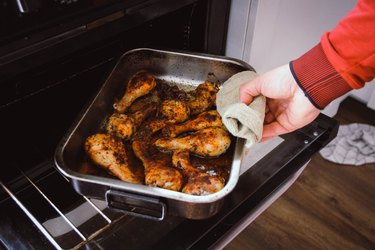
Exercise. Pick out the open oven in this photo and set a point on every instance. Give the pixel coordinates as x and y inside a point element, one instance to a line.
<point>54,56</point>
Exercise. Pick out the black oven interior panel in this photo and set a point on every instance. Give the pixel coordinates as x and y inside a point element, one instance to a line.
<point>32,20</point>
<point>164,24</point>
<point>38,120</point>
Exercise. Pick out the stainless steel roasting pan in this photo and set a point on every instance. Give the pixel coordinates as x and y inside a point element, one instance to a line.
<point>186,70</point>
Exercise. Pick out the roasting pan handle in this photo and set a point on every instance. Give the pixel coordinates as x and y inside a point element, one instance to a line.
<point>136,204</point>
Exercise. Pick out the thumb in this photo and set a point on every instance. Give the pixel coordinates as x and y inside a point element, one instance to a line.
<point>249,90</point>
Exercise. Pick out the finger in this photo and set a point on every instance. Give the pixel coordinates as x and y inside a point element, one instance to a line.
<point>273,129</point>
<point>267,138</point>
<point>249,90</point>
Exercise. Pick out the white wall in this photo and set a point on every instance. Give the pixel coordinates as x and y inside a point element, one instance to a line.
<point>270,33</point>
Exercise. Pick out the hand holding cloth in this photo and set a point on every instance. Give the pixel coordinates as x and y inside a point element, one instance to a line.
<point>241,120</point>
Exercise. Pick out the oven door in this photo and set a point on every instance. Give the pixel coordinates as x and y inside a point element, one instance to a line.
<point>49,71</point>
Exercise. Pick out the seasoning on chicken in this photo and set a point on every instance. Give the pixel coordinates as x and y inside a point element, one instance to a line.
<point>123,125</point>
<point>108,152</point>
<point>198,182</point>
<point>170,112</point>
<point>140,84</point>
<point>174,111</point>
<point>203,97</point>
<point>143,102</point>
<point>157,173</point>
<point>204,120</point>
<point>205,142</point>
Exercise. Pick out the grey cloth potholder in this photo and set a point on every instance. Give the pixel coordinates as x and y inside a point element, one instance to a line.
<point>354,145</point>
<point>241,120</point>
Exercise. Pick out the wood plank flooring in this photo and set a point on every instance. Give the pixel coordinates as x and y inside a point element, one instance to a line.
<point>330,206</point>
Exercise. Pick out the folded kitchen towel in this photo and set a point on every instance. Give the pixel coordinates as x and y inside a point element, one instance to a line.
<point>241,120</point>
<point>354,145</point>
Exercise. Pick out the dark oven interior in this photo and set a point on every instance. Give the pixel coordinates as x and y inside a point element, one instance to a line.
<point>44,84</point>
<point>54,55</point>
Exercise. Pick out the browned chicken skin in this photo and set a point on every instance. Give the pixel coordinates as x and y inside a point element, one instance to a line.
<point>198,182</point>
<point>123,125</point>
<point>143,102</point>
<point>170,112</point>
<point>174,111</point>
<point>203,97</point>
<point>140,84</point>
<point>204,120</point>
<point>149,128</point>
<point>109,153</point>
<point>205,142</point>
<point>157,173</point>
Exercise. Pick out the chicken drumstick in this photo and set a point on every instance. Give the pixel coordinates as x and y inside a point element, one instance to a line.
<point>109,153</point>
<point>157,174</point>
<point>140,84</point>
<point>198,183</point>
<point>204,120</point>
<point>205,142</point>
<point>203,97</point>
<point>123,126</point>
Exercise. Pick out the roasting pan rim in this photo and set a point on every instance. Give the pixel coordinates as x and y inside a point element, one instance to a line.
<point>61,165</point>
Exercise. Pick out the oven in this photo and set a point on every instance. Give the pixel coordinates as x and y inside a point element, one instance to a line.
<point>54,56</point>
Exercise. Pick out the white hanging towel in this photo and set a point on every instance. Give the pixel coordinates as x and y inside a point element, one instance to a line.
<point>354,145</point>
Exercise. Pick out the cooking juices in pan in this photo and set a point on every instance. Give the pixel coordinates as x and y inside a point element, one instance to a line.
<point>162,136</point>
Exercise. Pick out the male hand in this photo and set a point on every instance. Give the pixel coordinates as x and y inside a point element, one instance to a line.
<point>287,107</point>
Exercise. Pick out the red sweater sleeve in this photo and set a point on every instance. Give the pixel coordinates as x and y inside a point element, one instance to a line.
<point>343,60</point>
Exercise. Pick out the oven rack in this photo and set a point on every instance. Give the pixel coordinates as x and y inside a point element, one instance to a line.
<point>65,230</point>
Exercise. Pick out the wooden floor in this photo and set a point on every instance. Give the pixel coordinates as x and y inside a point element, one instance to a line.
<point>330,206</point>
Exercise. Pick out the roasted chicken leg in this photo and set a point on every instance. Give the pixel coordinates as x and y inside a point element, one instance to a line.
<point>109,153</point>
<point>170,112</point>
<point>205,142</point>
<point>203,97</point>
<point>123,125</point>
<point>157,174</point>
<point>198,182</point>
<point>174,111</point>
<point>204,120</point>
<point>140,84</point>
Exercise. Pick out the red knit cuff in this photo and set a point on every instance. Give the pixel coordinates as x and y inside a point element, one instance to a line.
<point>317,77</point>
